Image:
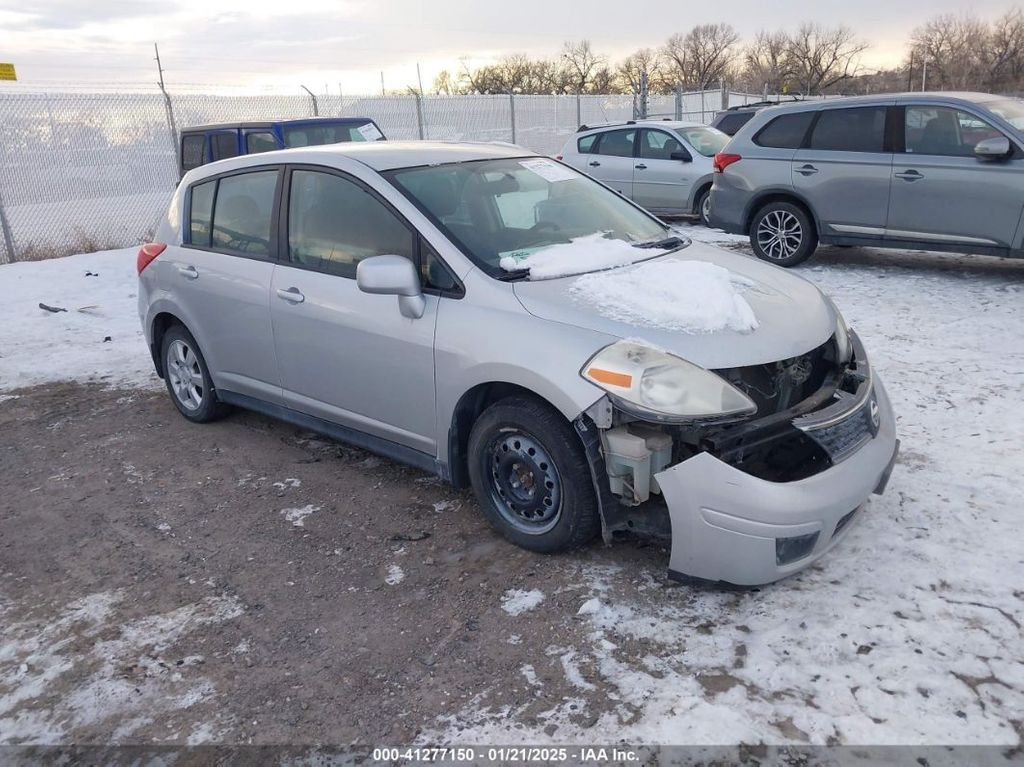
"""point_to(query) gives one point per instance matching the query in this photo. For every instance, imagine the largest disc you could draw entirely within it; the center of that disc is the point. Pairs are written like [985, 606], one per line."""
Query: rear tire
[531, 476]
[782, 233]
[188, 378]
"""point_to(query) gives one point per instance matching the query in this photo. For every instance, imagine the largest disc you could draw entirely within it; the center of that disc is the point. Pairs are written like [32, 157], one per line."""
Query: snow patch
[686, 296]
[582, 254]
[289, 482]
[298, 516]
[519, 601]
[395, 575]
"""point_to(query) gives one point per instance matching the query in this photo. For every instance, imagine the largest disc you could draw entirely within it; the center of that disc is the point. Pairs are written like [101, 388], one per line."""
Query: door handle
[291, 295]
[909, 175]
[807, 170]
[188, 272]
[641, 166]
[593, 163]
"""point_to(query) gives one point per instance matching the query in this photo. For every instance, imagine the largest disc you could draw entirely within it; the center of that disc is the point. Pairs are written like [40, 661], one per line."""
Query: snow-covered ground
[909, 632]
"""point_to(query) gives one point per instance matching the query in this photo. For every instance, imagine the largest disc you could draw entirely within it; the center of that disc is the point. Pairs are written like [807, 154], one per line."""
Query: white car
[664, 165]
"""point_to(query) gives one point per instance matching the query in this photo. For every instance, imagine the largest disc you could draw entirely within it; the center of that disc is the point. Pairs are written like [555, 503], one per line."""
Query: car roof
[379, 155]
[912, 97]
[272, 123]
[648, 123]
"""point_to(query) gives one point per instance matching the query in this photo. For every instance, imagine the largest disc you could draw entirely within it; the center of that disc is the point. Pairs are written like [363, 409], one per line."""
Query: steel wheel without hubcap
[779, 234]
[185, 375]
[524, 484]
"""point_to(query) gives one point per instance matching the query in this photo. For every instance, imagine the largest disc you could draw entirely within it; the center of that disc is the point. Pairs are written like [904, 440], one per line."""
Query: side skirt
[380, 446]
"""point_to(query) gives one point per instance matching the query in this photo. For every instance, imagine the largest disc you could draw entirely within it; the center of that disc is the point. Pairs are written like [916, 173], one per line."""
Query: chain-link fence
[86, 170]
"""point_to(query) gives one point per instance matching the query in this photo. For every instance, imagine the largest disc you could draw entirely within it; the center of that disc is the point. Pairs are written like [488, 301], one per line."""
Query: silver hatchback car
[506, 322]
[923, 171]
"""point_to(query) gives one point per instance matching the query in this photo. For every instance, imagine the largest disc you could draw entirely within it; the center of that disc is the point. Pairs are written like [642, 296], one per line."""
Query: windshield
[1011, 110]
[707, 141]
[500, 212]
[315, 134]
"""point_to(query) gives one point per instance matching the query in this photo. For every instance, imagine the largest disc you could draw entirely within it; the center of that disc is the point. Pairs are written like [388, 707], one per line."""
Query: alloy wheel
[185, 375]
[779, 234]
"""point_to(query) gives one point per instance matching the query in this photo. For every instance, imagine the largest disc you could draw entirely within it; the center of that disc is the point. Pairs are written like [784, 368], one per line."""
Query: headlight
[654, 383]
[844, 347]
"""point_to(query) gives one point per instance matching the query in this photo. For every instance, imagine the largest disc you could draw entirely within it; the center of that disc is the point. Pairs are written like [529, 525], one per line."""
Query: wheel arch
[780, 195]
[703, 184]
[161, 323]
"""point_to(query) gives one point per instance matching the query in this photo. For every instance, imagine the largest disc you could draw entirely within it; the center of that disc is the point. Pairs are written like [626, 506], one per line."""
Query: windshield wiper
[668, 242]
[513, 276]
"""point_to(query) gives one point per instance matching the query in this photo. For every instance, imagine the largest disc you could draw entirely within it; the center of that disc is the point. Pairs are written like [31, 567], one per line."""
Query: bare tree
[821, 57]
[1004, 55]
[765, 61]
[582, 65]
[645, 62]
[703, 55]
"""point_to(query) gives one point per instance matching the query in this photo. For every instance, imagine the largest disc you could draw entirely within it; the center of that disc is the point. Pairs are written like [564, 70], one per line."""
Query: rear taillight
[724, 160]
[147, 253]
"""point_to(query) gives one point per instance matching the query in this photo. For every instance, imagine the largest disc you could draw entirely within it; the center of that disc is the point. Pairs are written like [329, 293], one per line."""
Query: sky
[345, 45]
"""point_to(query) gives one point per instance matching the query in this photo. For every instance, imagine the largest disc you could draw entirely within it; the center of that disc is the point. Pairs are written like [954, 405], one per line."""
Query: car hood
[792, 314]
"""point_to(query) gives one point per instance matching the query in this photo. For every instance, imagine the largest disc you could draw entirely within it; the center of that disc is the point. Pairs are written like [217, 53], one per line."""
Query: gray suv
[924, 171]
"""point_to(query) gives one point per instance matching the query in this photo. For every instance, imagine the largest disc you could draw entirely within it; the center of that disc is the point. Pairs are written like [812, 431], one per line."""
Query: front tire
[188, 378]
[782, 233]
[703, 207]
[531, 476]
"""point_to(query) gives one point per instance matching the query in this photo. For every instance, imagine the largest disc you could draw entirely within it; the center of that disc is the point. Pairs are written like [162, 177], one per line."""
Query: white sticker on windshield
[549, 171]
[370, 132]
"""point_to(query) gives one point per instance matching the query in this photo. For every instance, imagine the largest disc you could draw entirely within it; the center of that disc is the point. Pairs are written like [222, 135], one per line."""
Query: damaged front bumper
[728, 525]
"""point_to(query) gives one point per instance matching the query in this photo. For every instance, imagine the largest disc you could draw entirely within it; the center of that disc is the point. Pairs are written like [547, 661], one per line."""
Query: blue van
[206, 143]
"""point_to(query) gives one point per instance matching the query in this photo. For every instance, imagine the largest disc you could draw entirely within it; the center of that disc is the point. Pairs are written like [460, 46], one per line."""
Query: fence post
[512, 113]
[419, 114]
[679, 101]
[579, 112]
[12, 254]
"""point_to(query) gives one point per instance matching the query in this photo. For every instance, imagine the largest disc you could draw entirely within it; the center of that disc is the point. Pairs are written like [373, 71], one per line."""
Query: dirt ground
[162, 582]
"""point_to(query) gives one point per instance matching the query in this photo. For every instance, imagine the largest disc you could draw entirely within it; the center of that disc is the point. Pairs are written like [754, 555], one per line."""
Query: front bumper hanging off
[730, 526]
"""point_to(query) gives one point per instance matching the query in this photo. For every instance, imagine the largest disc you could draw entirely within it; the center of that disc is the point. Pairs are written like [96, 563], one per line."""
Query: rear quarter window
[785, 131]
[192, 146]
[733, 122]
[201, 213]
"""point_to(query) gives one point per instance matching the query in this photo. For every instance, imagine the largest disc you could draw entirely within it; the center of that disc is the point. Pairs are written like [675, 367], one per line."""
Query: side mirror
[681, 156]
[992, 148]
[393, 276]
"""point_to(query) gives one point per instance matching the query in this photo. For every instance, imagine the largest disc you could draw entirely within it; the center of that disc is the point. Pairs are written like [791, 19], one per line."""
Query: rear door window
[192, 150]
[243, 211]
[617, 143]
[860, 129]
[224, 145]
[785, 131]
[260, 141]
[586, 144]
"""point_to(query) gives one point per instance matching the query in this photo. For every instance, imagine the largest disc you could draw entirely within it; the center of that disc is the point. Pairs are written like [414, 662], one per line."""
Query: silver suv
[925, 171]
[506, 322]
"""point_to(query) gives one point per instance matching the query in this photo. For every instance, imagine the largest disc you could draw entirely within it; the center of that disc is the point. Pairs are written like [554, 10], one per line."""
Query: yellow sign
[7, 72]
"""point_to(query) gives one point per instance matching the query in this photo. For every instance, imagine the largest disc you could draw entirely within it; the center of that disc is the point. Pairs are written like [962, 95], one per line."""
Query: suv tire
[188, 379]
[531, 476]
[782, 233]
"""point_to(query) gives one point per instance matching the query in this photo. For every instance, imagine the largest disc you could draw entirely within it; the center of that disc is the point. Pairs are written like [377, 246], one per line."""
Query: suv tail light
[724, 160]
[147, 253]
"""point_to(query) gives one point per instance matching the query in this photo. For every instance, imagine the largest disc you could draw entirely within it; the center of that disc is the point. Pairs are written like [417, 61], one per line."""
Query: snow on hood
[582, 254]
[686, 296]
[790, 315]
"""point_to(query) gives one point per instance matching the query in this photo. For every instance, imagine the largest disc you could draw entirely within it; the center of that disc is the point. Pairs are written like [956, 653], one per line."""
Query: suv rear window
[861, 129]
[785, 131]
[733, 121]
